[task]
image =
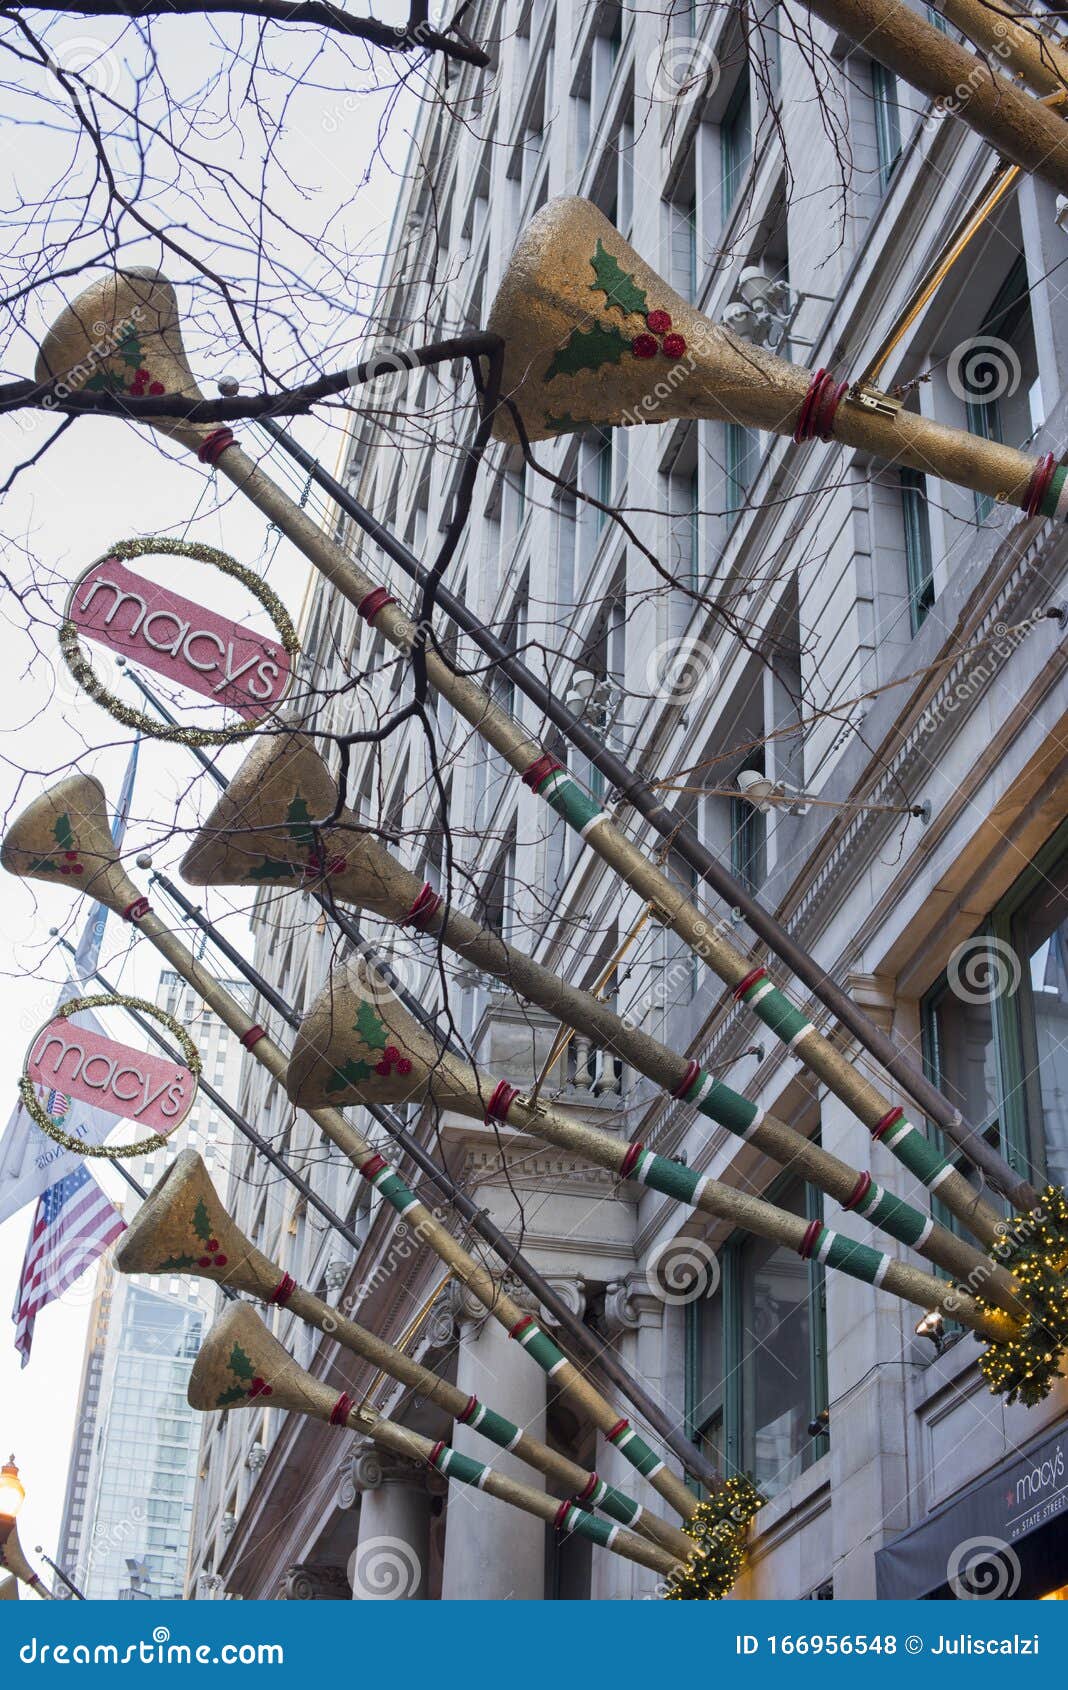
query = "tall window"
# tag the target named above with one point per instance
(735, 144)
(887, 121)
(741, 452)
(756, 1357)
(1002, 381)
(996, 1025)
(748, 843)
(917, 546)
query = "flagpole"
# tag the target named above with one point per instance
(671, 825)
(58, 1570)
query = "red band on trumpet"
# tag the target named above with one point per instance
(618, 1429)
(376, 600)
(341, 1410)
(819, 408)
(561, 1516)
(520, 1326)
(889, 1120)
(468, 1409)
(750, 980)
(436, 1450)
(629, 1162)
(540, 771)
(283, 1290)
(134, 911)
(423, 911)
(692, 1071)
(215, 445)
(588, 1488)
(501, 1101)
(859, 1192)
(253, 1036)
(808, 1242)
(373, 1165)
(1038, 486)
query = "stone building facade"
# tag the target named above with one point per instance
(873, 642)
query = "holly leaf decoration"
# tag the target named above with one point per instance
(241, 1365)
(63, 833)
(104, 382)
(588, 349)
(298, 822)
(236, 1393)
(617, 284)
(370, 1027)
(43, 865)
(176, 1264)
(271, 869)
(129, 350)
(202, 1221)
(351, 1074)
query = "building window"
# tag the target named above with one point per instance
(996, 1025)
(741, 451)
(748, 843)
(917, 546)
(887, 121)
(756, 1357)
(1004, 397)
(735, 145)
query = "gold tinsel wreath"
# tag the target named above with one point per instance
(86, 677)
(107, 1000)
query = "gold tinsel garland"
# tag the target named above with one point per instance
(1035, 1250)
(107, 1000)
(87, 678)
(718, 1529)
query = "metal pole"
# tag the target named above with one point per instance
(670, 824)
(58, 1570)
(583, 1337)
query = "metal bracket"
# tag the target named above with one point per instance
(870, 399)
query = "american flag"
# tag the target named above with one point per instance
(73, 1224)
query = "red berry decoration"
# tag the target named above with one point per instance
(142, 375)
(403, 1065)
(674, 346)
(644, 346)
(659, 321)
(390, 1054)
(259, 1388)
(384, 1069)
(77, 869)
(220, 1261)
(204, 1261)
(213, 1243)
(71, 856)
(156, 387)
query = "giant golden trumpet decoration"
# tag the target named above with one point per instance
(260, 833)
(170, 1234)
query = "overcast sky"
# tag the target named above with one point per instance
(104, 481)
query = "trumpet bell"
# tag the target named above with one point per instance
(241, 1365)
(260, 833)
(122, 335)
(64, 837)
(9, 1589)
(182, 1227)
(358, 1044)
(593, 337)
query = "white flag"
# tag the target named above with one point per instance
(30, 1161)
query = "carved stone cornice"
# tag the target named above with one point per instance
(314, 1581)
(466, 1306)
(629, 1304)
(571, 1291)
(370, 1468)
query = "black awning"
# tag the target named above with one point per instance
(1022, 1505)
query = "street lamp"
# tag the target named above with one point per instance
(12, 1556)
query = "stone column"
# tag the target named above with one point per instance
(494, 1553)
(389, 1563)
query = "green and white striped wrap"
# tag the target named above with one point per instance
(504, 1433)
(386, 1180)
(569, 1518)
(635, 1448)
(900, 1219)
